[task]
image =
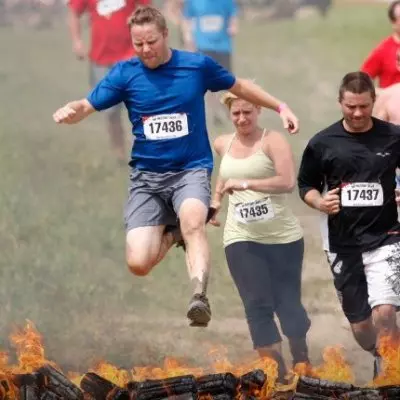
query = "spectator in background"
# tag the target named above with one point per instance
(110, 42)
(384, 61)
(173, 12)
(209, 27)
(387, 105)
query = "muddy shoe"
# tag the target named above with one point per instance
(199, 312)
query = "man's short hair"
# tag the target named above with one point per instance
(148, 15)
(357, 82)
(392, 9)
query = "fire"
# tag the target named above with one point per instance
(335, 367)
(389, 349)
(29, 348)
(31, 356)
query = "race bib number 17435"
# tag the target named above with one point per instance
(362, 194)
(165, 126)
(253, 211)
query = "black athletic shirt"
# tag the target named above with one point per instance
(360, 164)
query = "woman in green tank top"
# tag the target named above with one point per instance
(263, 240)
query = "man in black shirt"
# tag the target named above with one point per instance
(348, 173)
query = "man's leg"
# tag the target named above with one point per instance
(352, 289)
(382, 269)
(146, 215)
(192, 216)
(191, 199)
(145, 247)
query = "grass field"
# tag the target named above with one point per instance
(61, 198)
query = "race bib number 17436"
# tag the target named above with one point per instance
(165, 126)
(362, 194)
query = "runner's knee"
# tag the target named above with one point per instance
(385, 318)
(140, 264)
(193, 217)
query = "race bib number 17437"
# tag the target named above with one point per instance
(165, 126)
(362, 194)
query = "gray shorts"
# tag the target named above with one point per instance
(96, 74)
(155, 198)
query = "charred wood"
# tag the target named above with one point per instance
(390, 392)
(222, 396)
(59, 384)
(362, 394)
(47, 395)
(30, 385)
(96, 386)
(217, 384)
(253, 381)
(118, 394)
(314, 386)
(162, 388)
(303, 396)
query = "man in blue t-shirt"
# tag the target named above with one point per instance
(163, 90)
(209, 27)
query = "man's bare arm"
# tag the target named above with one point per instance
(253, 93)
(73, 112)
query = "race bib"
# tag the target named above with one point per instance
(165, 126)
(211, 23)
(107, 7)
(254, 211)
(362, 194)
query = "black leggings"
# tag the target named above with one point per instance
(268, 278)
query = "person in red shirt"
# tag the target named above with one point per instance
(110, 42)
(384, 61)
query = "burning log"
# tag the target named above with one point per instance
(47, 395)
(302, 396)
(390, 392)
(214, 384)
(59, 384)
(118, 394)
(252, 382)
(98, 387)
(162, 388)
(322, 387)
(30, 385)
(362, 394)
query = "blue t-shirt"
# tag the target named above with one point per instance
(210, 23)
(166, 108)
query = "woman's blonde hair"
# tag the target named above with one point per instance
(227, 98)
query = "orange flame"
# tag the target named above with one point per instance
(31, 356)
(389, 349)
(29, 348)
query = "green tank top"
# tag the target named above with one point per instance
(256, 216)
